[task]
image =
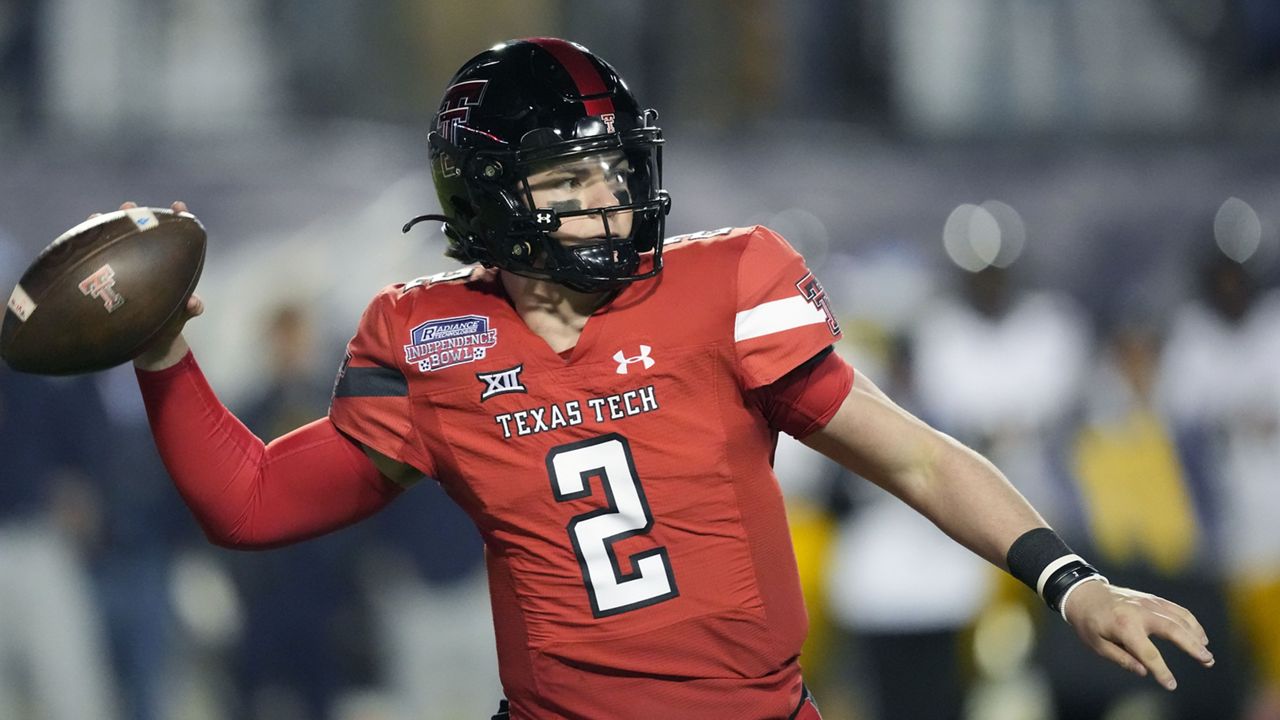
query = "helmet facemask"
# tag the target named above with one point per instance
(608, 184)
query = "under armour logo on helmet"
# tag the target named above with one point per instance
(623, 361)
(544, 217)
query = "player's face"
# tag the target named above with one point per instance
(586, 183)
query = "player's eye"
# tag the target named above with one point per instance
(563, 183)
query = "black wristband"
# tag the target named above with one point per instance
(1032, 552)
(1044, 563)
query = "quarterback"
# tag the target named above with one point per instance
(604, 402)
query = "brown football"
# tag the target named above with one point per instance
(101, 291)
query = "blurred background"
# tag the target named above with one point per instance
(1050, 228)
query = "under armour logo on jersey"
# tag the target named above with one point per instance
(501, 382)
(624, 361)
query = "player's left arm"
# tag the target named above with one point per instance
(970, 500)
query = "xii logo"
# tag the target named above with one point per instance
(501, 382)
(102, 285)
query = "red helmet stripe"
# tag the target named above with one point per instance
(584, 74)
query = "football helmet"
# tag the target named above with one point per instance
(522, 108)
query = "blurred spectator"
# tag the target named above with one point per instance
(1220, 376)
(145, 524)
(1000, 369)
(53, 659)
(909, 635)
(303, 644)
(432, 622)
(1144, 503)
(297, 380)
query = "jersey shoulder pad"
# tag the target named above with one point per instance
(457, 275)
(706, 236)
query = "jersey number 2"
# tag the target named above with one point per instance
(608, 460)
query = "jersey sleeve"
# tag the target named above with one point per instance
(371, 395)
(782, 318)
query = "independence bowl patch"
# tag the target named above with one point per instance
(438, 344)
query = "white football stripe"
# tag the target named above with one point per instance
(142, 217)
(775, 316)
(21, 304)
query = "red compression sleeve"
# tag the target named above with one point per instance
(247, 494)
(804, 400)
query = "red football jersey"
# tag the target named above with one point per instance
(638, 554)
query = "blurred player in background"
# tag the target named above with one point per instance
(1219, 379)
(604, 405)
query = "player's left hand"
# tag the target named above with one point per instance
(1118, 623)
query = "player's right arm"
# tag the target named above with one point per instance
(246, 493)
(971, 500)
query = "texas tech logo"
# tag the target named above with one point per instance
(501, 382)
(102, 285)
(455, 109)
(438, 344)
(811, 290)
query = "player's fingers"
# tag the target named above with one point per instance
(1164, 614)
(1137, 644)
(1121, 657)
(1185, 616)
(126, 205)
(195, 306)
(179, 207)
(1181, 635)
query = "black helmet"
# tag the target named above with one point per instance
(527, 105)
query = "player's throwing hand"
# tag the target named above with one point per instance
(1118, 624)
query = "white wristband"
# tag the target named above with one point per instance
(1052, 568)
(1062, 604)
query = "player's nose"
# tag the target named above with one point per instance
(600, 194)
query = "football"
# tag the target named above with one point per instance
(95, 296)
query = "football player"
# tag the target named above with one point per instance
(604, 404)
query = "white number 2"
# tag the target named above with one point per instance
(626, 513)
